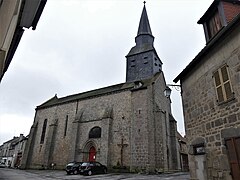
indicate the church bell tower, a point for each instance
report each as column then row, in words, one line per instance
column 142, row 60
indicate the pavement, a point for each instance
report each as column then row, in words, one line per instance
column 17, row 174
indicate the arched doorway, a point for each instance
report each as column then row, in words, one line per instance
column 92, row 154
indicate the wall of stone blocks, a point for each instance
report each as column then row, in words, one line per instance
column 139, row 117
column 204, row 117
column 93, row 116
column 142, row 66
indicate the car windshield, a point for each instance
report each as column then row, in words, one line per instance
column 85, row 164
column 70, row 164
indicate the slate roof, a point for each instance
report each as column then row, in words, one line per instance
column 141, row 49
column 143, row 30
column 213, row 7
column 131, row 86
column 144, row 26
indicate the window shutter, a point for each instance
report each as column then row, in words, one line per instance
column 217, row 78
column 228, row 90
column 220, row 94
column 218, row 87
column 224, row 74
column 226, row 82
column 223, row 84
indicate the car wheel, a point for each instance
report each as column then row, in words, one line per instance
column 75, row 172
column 89, row 172
column 105, row 171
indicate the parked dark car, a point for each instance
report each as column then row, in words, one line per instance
column 73, row 167
column 2, row 165
column 89, row 168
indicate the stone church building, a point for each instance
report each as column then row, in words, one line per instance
column 128, row 125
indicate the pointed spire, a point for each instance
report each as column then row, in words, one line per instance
column 144, row 39
column 144, row 26
column 142, row 60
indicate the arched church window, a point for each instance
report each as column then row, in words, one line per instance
column 43, row 131
column 95, row 132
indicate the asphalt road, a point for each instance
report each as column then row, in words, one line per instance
column 16, row 174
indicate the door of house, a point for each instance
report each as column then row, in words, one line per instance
column 185, row 166
column 233, row 148
column 92, row 154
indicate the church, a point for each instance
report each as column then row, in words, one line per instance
column 124, row 126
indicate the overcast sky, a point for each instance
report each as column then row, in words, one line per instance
column 81, row 45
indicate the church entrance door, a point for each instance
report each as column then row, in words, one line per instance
column 92, row 154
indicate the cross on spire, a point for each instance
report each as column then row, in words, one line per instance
column 144, row 2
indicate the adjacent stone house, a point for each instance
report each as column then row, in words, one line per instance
column 211, row 96
column 126, row 126
column 183, row 151
column 11, row 151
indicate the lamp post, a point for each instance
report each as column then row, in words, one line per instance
column 168, row 90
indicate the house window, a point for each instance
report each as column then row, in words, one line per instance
column 223, row 84
column 43, row 131
column 95, row 132
column 66, row 124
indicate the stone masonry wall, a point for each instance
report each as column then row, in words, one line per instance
column 93, row 112
column 138, row 120
column 139, row 131
column 204, row 117
column 118, row 128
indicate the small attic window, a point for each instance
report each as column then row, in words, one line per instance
column 213, row 25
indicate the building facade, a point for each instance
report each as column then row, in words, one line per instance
column 183, row 152
column 15, row 15
column 11, row 151
column 211, row 96
column 125, row 126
